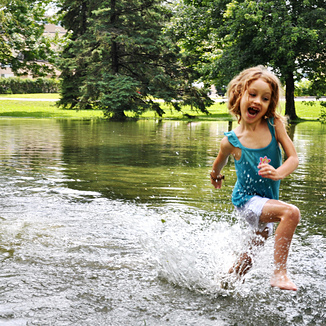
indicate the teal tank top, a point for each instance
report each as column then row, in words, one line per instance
column 249, row 182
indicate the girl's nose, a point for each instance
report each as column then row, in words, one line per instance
column 257, row 100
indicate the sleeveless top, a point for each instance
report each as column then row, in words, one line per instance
column 249, row 182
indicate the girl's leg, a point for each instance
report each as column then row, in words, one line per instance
column 288, row 217
column 244, row 262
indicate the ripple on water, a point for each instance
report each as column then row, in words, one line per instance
column 74, row 257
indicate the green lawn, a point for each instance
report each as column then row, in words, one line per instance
column 47, row 109
column 34, row 109
column 219, row 111
column 306, row 111
column 49, row 96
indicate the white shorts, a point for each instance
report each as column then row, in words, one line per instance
column 251, row 212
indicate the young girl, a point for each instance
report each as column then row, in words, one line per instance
column 253, row 98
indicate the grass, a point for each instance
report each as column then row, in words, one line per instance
column 307, row 111
column 46, row 109
column 218, row 111
column 30, row 108
column 49, row 96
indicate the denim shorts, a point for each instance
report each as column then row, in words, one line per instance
column 251, row 212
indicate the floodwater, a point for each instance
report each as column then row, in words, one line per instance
column 117, row 224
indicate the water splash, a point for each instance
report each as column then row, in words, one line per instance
column 193, row 253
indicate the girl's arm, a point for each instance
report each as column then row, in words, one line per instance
column 225, row 150
column 292, row 160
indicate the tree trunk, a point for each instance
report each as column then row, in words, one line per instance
column 289, row 98
column 115, row 60
column 118, row 116
column 114, row 45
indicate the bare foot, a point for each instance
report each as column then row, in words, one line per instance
column 282, row 281
column 242, row 266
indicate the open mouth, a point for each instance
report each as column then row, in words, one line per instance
column 253, row 111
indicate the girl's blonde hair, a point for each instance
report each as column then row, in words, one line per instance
column 239, row 84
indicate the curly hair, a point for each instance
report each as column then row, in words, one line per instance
column 239, row 84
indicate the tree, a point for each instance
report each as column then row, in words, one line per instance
column 23, row 46
column 192, row 30
column 288, row 36
column 121, row 56
column 4, row 47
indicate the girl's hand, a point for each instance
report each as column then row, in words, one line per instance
column 216, row 180
column 268, row 171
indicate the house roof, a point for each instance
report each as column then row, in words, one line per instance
column 52, row 29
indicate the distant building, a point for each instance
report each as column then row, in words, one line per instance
column 52, row 29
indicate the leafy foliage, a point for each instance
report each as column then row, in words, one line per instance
column 322, row 117
column 288, row 36
column 23, row 46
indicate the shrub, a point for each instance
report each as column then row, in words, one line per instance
column 306, row 88
column 322, row 117
column 16, row 85
column 303, row 88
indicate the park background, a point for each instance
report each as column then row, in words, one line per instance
column 107, row 214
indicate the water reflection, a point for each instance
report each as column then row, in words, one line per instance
column 117, row 224
column 168, row 162
column 145, row 161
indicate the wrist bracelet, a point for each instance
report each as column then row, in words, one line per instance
column 218, row 177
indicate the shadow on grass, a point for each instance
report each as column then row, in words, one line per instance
column 209, row 117
column 65, row 114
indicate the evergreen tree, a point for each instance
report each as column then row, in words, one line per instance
column 121, row 56
column 74, row 16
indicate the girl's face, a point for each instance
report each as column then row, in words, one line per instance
column 255, row 101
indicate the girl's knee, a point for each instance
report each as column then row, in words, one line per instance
column 293, row 213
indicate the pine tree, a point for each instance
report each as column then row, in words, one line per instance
column 120, row 57
column 75, row 15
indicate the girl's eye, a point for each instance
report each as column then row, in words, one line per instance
column 252, row 94
column 266, row 99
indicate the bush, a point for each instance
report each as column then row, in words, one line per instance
column 16, row 85
column 303, row 88
column 306, row 88
column 322, row 117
